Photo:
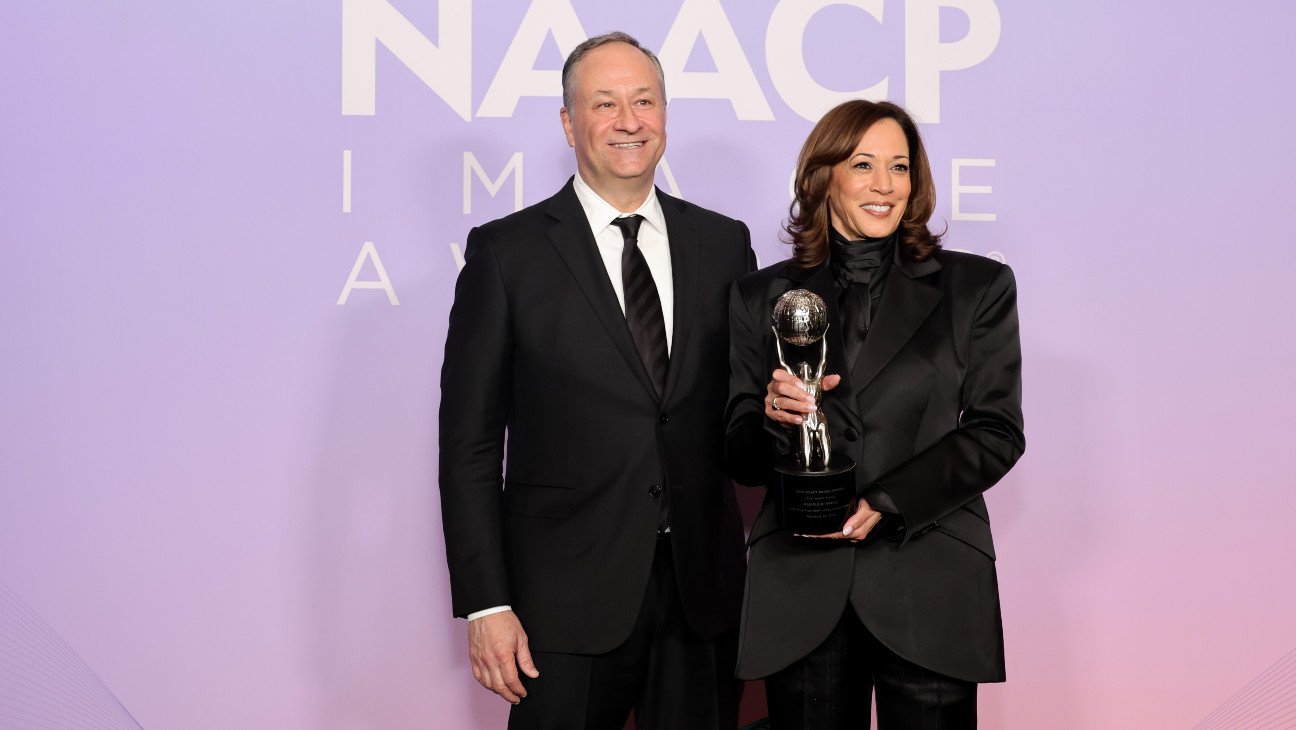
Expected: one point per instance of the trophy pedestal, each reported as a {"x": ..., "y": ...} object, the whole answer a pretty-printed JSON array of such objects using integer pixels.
[{"x": 814, "y": 501}]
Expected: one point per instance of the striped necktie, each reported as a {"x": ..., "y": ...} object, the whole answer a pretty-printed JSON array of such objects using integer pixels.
[{"x": 642, "y": 305}]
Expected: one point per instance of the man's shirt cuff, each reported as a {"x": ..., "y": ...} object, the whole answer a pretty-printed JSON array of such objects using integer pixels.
[{"x": 486, "y": 612}]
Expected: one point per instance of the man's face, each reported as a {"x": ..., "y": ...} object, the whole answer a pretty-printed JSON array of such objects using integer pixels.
[{"x": 617, "y": 121}]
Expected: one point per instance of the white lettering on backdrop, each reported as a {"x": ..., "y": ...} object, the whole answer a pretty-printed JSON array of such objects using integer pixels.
[
  {"x": 446, "y": 66},
  {"x": 472, "y": 167},
  {"x": 958, "y": 189},
  {"x": 517, "y": 76},
  {"x": 368, "y": 251}
]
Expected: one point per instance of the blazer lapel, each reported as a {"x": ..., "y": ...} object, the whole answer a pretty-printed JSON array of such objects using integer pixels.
[
  {"x": 684, "y": 250},
  {"x": 910, "y": 296},
  {"x": 571, "y": 237}
]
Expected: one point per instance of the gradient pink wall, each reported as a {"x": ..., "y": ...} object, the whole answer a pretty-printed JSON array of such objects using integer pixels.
[{"x": 217, "y": 485}]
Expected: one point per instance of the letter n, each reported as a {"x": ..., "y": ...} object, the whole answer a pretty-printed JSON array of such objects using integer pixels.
[{"x": 445, "y": 68}]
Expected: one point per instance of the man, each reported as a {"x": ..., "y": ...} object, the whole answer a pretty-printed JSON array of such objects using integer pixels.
[{"x": 602, "y": 572}]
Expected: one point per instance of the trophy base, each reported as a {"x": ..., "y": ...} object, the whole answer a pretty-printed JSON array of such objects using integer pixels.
[{"x": 814, "y": 501}]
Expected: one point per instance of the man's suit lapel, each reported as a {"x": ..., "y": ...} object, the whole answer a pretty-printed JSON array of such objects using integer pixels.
[
  {"x": 571, "y": 237},
  {"x": 910, "y": 295},
  {"x": 685, "y": 252}
]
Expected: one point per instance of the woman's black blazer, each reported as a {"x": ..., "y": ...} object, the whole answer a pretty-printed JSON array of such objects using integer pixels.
[{"x": 931, "y": 412}]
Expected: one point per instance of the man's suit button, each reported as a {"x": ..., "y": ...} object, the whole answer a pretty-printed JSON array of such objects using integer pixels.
[
  {"x": 850, "y": 434},
  {"x": 665, "y": 419},
  {"x": 654, "y": 491}
]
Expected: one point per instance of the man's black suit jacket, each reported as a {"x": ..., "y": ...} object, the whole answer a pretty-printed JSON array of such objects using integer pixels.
[
  {"x": 538, "y": 347},
  {"x": 931, "y": 410}
]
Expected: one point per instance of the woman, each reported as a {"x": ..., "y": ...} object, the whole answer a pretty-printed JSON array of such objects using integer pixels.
[{"x": 925, "y": 396}]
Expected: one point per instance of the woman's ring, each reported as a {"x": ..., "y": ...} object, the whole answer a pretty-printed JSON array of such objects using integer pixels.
[{"x": 774, "y": 403}]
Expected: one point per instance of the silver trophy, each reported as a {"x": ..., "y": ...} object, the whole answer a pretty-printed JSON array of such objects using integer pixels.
[
  {"x": 800, "y": 318},
  {"x": 816, "y": 489}
]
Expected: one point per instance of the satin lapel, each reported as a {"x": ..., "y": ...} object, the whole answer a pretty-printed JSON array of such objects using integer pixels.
[
  {"x": 906, "y": 304},
  {"x": 684, "y": 249},
  {"x": 820, "y": 281},
  {"x": 571, "y": 237}
]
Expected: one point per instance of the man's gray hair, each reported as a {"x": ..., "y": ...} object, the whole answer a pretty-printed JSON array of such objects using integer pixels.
[{"x": 615, "y": 36}]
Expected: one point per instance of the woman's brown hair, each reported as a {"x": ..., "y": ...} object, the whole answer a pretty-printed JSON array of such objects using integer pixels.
[{"x": 833, "y": 140}]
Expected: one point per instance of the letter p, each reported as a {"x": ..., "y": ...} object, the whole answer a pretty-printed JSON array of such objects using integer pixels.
[{"x": 926, "y": 57}]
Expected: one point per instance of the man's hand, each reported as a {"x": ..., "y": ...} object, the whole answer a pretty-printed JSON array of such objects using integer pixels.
[{"x": 497, "y": 646}]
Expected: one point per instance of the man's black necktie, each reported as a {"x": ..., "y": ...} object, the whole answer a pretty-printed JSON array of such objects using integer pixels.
[{"x": 643, "y": 308}]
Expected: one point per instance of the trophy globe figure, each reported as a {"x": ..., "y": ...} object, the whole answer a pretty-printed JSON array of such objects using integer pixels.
[
  {"x": 800, "y": 318},
  {"x": 815, "y": 492}
]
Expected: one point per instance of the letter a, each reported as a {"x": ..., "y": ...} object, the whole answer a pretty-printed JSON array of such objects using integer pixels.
[
  {"x": 733, "y": 78},
  {"x": 517, "y": 75},
  {"x": 353, "y": 281}
]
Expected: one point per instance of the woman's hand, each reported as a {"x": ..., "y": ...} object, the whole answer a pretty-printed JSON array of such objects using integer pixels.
[
  {"x": 858, "y": 526},
  {"x": 786, "y": 399}
]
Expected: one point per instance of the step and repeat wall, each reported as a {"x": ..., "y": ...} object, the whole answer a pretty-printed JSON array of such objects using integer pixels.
[{"x": 231, "y": 232}]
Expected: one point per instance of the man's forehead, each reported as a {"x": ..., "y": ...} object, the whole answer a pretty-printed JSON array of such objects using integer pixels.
[{"x": 615, "y": 60}]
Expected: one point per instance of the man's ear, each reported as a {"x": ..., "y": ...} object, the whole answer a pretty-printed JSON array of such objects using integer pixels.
[{"x": 565, "y": 117}]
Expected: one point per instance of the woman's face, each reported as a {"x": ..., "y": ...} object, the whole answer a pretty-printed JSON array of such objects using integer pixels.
[{"x": 869, "y": 190}]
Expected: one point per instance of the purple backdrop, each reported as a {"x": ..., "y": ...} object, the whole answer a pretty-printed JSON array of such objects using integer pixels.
[{"x": 217, "y": 484}]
